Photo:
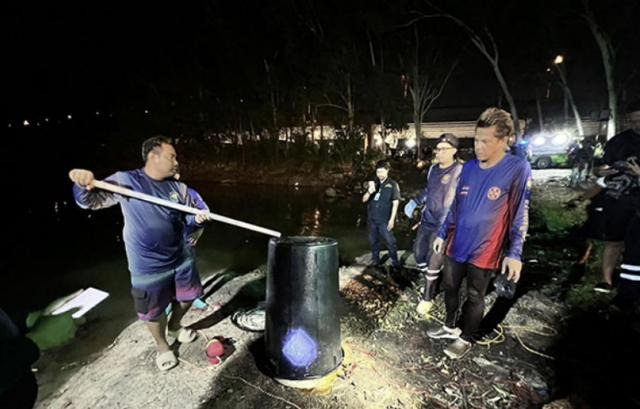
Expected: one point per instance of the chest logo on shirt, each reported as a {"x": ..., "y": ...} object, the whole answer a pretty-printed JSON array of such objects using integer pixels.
[
  {"x": 445, "y": 179},
  {"x": 174, "y": 197},
  {"x": 494, "y": 193}
]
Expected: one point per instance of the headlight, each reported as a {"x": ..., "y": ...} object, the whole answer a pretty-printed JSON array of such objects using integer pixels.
[
  {"x": 539, "y": 141},
  {"x": 560, "y": 139}
]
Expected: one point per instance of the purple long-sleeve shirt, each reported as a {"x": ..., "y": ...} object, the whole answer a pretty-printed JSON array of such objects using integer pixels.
[
  {"x": 154, "y": 236},
  {"x": 438, "y": 195}
]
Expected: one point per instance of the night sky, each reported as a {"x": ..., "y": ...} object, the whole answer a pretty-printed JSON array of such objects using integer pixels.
[{"x": 61, "y": 57}]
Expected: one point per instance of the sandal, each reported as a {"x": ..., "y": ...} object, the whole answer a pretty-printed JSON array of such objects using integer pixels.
[
  {"x": 183, "y": 335},
  {"x": 166, "y": 360}
]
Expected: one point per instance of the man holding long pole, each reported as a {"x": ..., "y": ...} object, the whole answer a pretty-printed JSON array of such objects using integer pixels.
[{"x": 162, "y": 270}]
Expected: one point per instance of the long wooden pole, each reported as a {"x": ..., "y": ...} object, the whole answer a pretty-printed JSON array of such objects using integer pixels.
[{"x": 176, "y": 206}]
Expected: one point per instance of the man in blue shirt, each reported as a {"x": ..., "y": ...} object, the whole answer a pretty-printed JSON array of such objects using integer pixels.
[
  {"x": 382, "y": 198},
  {"x": 490, "y": 210},
  {"x": 436, "y": 198},
  {"x": 162, "y": 269}
]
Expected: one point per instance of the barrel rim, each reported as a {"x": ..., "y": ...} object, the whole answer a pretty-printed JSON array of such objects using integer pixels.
[{"x": 303, "y": 241}]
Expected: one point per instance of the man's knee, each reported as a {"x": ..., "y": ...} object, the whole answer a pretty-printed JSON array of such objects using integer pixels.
[
  {"x": 448, "y": 282},
  {"x": 475, "y": 296},
  {"x": 390, "y": 241},
  {"x": 373, "y": 233}
]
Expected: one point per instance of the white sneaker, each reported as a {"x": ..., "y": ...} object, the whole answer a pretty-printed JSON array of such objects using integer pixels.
[
  {"x": 458, "y": 348},
  {"x": 444, "y": 332}
]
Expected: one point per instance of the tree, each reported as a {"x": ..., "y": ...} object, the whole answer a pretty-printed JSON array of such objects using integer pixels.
[
  {"x": 608, "y": 53},
  {"x": 558, "y": 64},
  {"x": 424, "y": 85},
  {"x": 620, "y": 74},
  {"x": 488, "y": 48}
]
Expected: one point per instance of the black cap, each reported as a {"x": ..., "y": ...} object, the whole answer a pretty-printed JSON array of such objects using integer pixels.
[
  {"x": 448, "y": 138},
  {"x": 383, "y": 164}
]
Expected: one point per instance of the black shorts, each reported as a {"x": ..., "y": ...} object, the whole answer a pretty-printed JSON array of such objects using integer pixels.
[
  {"x": 631, "y": 257},
  {"x": 608, "y": 218}
]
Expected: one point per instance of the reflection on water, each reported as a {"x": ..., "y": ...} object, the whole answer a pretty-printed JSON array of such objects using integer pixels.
[{"x": 311, "y": 220}]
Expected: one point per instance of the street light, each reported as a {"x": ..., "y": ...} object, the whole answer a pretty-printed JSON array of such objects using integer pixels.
[{"x": 568, "y": 97}]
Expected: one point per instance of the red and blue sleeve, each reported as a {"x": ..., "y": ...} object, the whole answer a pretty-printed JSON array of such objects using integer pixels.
[{"x": 519, "y": 211}]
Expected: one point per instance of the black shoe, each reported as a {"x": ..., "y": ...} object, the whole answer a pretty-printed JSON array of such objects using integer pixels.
[
  {"x": 603, "y": 287},
  {"x": 395, "y": 269}
]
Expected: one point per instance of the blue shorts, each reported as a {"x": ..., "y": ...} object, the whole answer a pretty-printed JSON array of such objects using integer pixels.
[{"x": 152, "y": 293}]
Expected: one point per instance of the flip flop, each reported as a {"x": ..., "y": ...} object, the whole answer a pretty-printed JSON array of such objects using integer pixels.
[
  {"x": 183, "y": 335},
  {"x": 166, "y": 360}
]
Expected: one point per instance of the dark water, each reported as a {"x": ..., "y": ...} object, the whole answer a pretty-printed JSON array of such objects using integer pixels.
[{"x": 60, "y": 248}]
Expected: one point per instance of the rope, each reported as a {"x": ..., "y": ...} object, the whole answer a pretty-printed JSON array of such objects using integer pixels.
[
  {"x": 500, "y": 336},
  {"x": 498, "y": 339},
  {"x": 533, "y": 351}
]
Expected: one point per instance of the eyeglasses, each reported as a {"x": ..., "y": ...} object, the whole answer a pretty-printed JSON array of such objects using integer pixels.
[{"x": 441, "y": 149}]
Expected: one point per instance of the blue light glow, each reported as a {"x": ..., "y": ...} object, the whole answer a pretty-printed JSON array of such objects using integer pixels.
[{"x": 299, "y": 348}]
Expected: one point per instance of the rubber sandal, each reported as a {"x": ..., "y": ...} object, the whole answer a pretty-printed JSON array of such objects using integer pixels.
[
  {"x": 166, "y": 360},
  {"x": 183, "y": 335}
]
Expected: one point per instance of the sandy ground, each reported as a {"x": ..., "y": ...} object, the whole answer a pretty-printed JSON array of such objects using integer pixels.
[{"x": 389, "y": 362}]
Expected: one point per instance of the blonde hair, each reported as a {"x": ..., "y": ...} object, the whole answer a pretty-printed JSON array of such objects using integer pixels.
[{"x": 498, "y": 117}]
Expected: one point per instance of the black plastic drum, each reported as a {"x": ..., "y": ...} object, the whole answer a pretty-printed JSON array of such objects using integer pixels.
[{"x": 302, "y": 330}]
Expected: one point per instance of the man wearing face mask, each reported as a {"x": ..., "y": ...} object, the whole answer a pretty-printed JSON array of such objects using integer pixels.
[
  {"x": 162, "y": 269},
  {"x": 382, "y": 198}
]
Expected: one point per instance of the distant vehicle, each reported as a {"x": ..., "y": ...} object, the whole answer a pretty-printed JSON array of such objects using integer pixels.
[{"x": 549, "y": 149}]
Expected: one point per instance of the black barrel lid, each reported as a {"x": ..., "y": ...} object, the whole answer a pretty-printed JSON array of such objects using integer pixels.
[{"x": 303, "y": 241}]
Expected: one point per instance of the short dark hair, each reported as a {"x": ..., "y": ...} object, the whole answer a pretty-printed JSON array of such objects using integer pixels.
[
  {"x": 383, "y": 164},
  {"x": 498, "y": 117},
  {"x": 152, "y": 143},
  {"x": 633, "y": 106}
]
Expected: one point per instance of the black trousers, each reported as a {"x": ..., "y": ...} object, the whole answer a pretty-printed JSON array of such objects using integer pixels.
[
  {"x": 22, "y": 394},
  {"x": 473, "y": 309}
]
